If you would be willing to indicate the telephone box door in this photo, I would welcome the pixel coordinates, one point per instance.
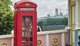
(28, 29)
(27, 39)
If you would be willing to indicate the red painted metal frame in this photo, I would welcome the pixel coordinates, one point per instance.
(18, 22)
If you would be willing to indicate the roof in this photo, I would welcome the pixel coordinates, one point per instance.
(19, 2)
(23, 3)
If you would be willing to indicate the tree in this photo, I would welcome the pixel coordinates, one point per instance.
(55, 21)
(6, 18)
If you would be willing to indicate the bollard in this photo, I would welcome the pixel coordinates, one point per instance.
(79, 40)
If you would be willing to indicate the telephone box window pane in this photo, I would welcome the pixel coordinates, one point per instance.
(22, 34)
(27, 31)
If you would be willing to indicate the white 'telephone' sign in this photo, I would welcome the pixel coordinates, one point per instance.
(27, 9)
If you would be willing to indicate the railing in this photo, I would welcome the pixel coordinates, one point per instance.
(52, 38)
(6, 40)
(45, 38)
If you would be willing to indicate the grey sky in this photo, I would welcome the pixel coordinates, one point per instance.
(48, 6)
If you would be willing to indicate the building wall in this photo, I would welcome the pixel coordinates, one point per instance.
(72, 20)
(79, 15)
(79, 12)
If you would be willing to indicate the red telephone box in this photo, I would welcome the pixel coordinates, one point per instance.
(25, 24)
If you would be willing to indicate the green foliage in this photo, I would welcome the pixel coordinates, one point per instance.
(40, 24)
(56, 21)
(6, 18)
(53, 27)
(53, 23)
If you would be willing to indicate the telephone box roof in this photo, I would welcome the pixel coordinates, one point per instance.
(25, 1)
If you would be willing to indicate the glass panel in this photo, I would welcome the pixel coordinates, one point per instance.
(22, 34)
(27, 31)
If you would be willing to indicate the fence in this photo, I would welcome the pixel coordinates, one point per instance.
(45, 38)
